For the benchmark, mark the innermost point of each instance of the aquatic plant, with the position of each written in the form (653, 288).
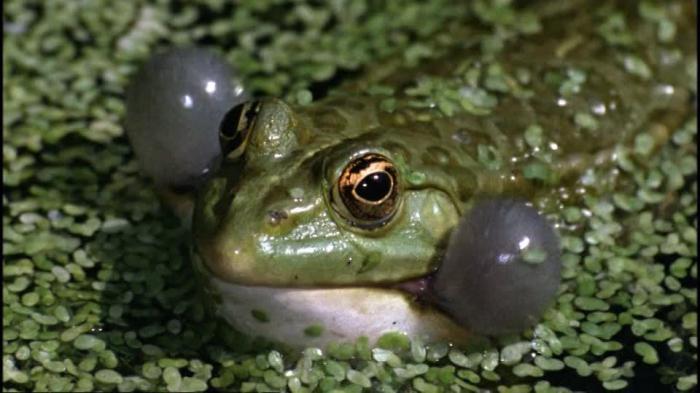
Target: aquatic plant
(97, 292)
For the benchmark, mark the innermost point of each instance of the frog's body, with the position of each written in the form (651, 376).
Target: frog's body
(281, 256)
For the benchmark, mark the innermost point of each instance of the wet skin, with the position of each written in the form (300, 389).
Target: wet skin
(338, 213)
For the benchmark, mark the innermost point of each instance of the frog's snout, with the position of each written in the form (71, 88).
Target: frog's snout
(229, 259)
(500, 271)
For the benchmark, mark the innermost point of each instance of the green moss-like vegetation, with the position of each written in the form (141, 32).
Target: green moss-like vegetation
(314, 331)
(97, 288)
(261, 316)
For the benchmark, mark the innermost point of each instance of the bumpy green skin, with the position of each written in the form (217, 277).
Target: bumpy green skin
(295, 154)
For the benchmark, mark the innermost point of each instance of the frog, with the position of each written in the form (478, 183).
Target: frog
(331, 221)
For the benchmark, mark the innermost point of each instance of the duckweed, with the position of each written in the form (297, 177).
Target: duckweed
(647, 352)
(97, 291)
(314, 330)
(108, 377)
(527, 370)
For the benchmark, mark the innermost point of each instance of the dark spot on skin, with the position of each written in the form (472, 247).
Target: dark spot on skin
(274, 217)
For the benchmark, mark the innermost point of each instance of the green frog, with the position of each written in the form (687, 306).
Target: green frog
(330, 221)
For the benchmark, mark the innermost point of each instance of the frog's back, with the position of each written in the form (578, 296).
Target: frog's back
(544, 108)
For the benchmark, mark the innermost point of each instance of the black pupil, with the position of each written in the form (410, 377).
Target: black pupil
(374, 187)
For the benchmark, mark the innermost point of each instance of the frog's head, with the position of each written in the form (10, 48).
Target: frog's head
(321, 199)
(333, 216)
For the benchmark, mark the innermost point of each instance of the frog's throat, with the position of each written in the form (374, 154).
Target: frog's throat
(317, 316)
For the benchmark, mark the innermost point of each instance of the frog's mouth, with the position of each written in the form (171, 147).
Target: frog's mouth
(317, 316)
(420, 292)
(418, 288)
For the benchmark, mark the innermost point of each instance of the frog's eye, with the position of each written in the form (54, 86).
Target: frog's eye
(368, 188)
(235, 128)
